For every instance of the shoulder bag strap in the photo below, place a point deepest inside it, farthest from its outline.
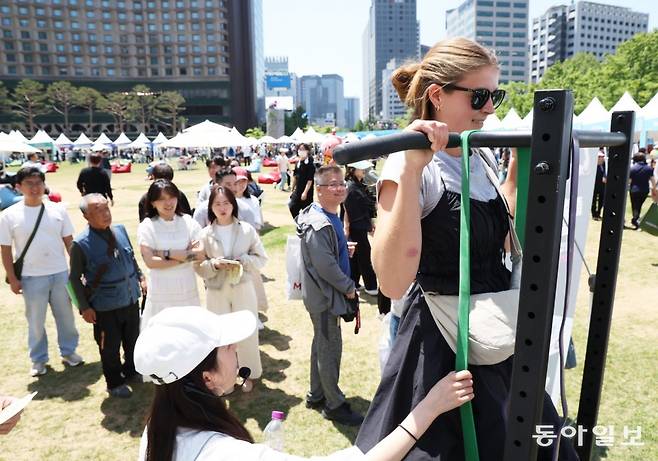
(34, 231)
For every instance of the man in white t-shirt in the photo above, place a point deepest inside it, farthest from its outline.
(283, 163)
(45, 271)
(33, 161)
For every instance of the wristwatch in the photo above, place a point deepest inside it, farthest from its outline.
(165, 254)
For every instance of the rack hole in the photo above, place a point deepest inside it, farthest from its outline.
(541, 199)
(520, 419)
(539, 229)
(534, 287)
(614, 196)
(523, 395)
(545, 137)
(517, 443)
(531, 315)
(611, 232)
(528, 342)
(525, 368)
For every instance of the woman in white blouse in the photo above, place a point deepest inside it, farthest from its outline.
(233, 256)
(168, 241)
(249, 206)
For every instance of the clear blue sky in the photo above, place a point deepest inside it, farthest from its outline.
(324, 37)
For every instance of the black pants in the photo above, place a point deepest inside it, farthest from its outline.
(112, 330)
(360, 263)
(296, 205)
(597, 200)
(637, 200)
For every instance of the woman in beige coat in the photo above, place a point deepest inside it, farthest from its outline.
(234, 253)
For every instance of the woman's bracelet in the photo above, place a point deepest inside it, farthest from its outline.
(408, 432)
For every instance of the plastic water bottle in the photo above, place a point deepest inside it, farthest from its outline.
(274, 431)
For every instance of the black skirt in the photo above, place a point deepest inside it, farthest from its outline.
(419, 359)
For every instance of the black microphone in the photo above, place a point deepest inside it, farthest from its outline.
(244, 373)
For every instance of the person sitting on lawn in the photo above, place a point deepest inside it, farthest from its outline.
(190, 353)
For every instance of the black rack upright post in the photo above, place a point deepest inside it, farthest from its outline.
(551, 138)
(612, 227)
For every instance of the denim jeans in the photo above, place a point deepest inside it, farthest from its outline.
(38, 292)
(284, 180)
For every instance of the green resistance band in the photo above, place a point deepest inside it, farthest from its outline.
(74, 298)
(466, 410)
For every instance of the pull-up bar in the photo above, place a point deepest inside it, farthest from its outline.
(550, 141)
(384, 145)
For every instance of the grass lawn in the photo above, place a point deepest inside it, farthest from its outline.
(72, 417)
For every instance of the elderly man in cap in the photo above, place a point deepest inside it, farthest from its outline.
(107, 283)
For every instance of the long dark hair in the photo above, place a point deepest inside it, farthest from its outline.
(187, 403)
(349, 175)
(229, 195)
(158, 187)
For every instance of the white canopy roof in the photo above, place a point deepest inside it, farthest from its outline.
(142, 142)
(99, 146)
(284, 140)
(159, 139)
(82, 141)
(7, 144)
(512, 121)
(312, 136)
(206, 127)
(492, 122)
(593, 113)
(17, 135)
(297, 135)
(122, 140)
(41, 138)
(626, 102)
(201, 139)
(650, 110)
(103, 139)
(62, 140)
(266, 140)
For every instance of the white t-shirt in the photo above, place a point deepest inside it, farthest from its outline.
(38, 165)
(249, 211)
(46, 254)
(194, 445)
(225, 235)
(443, 166)
(283, 162)
(204, 193)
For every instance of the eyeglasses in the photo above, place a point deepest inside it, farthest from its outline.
(32, 184)
(480, 96)
(334, 185)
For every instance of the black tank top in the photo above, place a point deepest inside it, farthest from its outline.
(438, 270)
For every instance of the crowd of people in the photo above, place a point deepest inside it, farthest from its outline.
(192, 351)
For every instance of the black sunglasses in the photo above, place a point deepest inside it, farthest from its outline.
(480, 96)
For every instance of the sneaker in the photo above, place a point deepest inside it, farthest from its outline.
(38, 369)
(372, 292)
(123, 391)
(315, 404)
(72, 360)
(343, 415)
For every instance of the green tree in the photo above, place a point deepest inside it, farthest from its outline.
(633, 68)
(61, 97)
(519, 96)
(169, 105)
(359, 126)
(143, 106)
(5, 102)
(255, 132)
(581, 74)
(89, 99)
(118, 105)
(296, 119)
(29, 101)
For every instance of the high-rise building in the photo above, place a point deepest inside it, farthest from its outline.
(499, 25)
(393, 107)
(595, 28)
(208, 50)
(280, 84)
(392, 32)
(323, 98)
(351, 112)
(258, 56)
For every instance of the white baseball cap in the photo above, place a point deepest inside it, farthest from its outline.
(177, 339)
(361, 165)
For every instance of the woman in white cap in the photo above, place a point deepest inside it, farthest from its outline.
(190, 354)
(360, 210)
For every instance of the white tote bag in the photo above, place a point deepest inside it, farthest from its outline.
(294, 268)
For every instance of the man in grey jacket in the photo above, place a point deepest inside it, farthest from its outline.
(326, 286)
